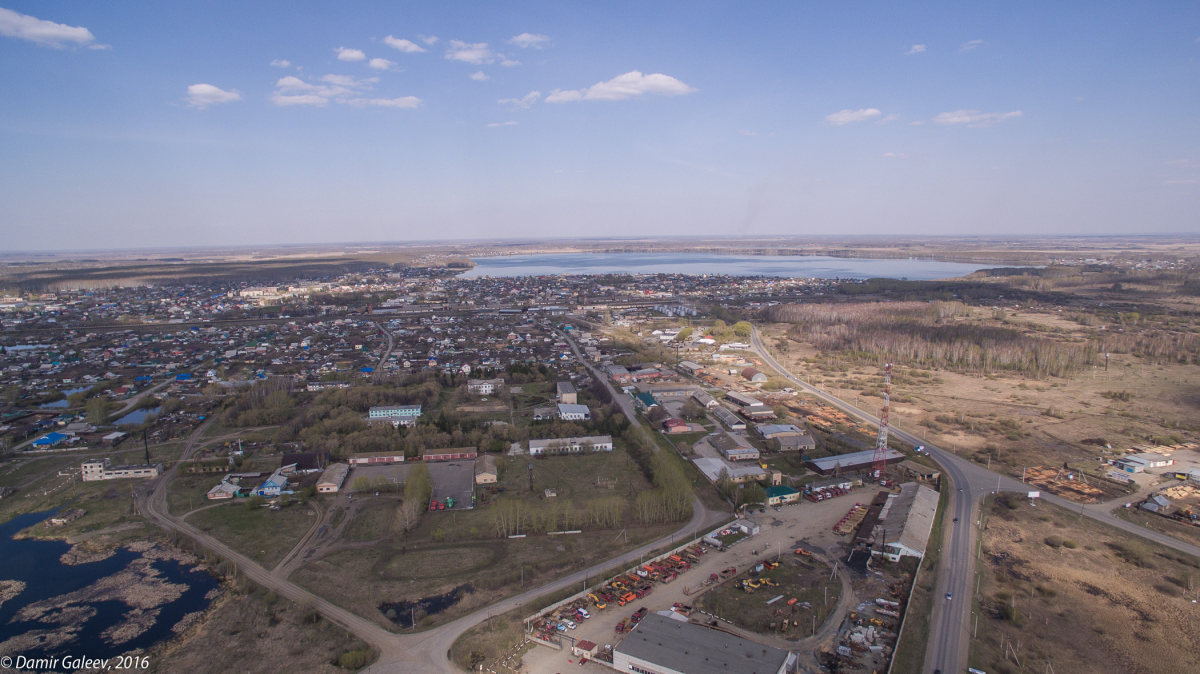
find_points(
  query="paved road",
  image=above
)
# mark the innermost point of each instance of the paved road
(948, 645)
(419, 652)
(391, 345)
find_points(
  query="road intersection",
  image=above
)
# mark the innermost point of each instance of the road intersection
(949, 637)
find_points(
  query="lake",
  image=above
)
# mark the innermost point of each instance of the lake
(129, 600)
(784, 266)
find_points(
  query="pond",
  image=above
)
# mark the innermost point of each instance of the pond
(127, 601)
(63, 402)
(138, 416)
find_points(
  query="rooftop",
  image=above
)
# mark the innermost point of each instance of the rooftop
(689, 648)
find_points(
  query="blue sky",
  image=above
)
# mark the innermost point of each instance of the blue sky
(161, 124)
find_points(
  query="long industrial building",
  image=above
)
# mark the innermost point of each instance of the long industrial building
(660, 645)
(850, 463)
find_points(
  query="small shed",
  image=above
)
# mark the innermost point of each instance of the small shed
(584, 649)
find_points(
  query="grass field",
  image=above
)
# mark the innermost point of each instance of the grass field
(374, 518)
(1063, 592)
(261, 534)
(394, 570)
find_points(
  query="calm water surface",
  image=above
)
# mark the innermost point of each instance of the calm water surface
(36, 564)
(786, 266)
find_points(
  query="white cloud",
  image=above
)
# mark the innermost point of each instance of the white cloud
(916, 49)
(969, 45)
(622, 87)
(201, 96)
(45, 33)
(474, 53)
(404, 102)
(843, 117)
(974, 118)
(348, 54)
(282, 99)
(428, 39)
(380, 64)
(479, 76)
(527, 40)
(524, 102)
(568, 96)
(894, 155)
(349, 82)
(406, 46)
(507, 62)
(281, 63)
(343, 89)
(919, 122)
(888, 118)
(495, 125)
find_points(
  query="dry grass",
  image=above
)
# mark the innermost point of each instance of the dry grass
(282, 636)
(1068, 593)
(1017, 420)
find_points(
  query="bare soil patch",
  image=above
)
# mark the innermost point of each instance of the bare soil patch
(1065, 592)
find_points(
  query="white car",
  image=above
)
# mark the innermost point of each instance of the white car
(570, 625)
(583, 613)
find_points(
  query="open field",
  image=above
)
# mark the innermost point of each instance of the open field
(274, 630)
(1065, 592)
(361, 578)
(260, 533)
(1011, 416)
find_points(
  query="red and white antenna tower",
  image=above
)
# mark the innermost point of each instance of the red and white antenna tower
(879, 461)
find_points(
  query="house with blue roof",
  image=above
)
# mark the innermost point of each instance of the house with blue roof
(52, 439)
(273, 486)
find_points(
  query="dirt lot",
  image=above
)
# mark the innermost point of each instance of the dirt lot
(807, 524)
(1062, 592)
(1018, 420)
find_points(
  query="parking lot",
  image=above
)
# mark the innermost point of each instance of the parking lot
(808, 524)
(455, 479)
(452, 478)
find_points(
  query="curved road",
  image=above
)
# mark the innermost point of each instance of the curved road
(948, 645)
(417, 652)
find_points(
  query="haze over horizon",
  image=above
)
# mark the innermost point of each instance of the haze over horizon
(223, 123)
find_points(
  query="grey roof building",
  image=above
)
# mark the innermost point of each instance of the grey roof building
(666, 646)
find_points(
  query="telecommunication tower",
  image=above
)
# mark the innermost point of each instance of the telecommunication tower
(879, 461)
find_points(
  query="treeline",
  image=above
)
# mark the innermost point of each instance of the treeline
(518, 516)
(417, 490)
(671, 498)
(925, 335)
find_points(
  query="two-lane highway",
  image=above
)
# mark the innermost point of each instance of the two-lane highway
(948, 645)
